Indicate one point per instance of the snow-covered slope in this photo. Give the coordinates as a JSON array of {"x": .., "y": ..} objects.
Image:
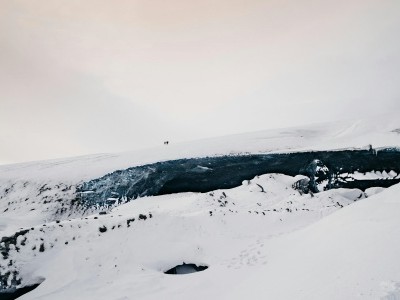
[
  {"x": 270, "y": 237},
  {"x": 382, "y": 132},
  {"x": 37, "y": 192},
  {"x": 213, "y": 229},
  {"x": 352, "y": 254},
  {"x": 256, "y": 244}
]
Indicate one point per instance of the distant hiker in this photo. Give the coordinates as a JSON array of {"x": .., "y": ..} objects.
[{"x": 166, "y": 142}]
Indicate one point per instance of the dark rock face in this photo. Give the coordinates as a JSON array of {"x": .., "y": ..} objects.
[
  {"x": 302, "y": 186},
  {"x": 211, "y": 173},
  {"x": 10, "y": 278},
  {"x": 318, "y": 173},
  {"x": 16, "y": 293}
]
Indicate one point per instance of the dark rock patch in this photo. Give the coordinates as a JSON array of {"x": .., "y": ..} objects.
[
  {"x": 185, "y": 269},
  {"x": 128, "y": 222},
  {"x": 15, "y": 293},
  {"x": 142, "y": 217},
  {"x": 103, "y": 229}
]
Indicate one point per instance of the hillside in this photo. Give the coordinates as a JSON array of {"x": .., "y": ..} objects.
[{"x": 301, "y": 213}]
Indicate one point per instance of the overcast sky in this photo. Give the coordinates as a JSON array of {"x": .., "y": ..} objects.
[{"x": 79, "y": 77}]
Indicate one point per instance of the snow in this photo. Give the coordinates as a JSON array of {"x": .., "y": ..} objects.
[
  {"x": 260, "y": 240},
  {"x": 349, "y": 255},
  {"x": 329, "y": 136},
  {"x": 302, "y": 247},
  {"x": 374, "y": 175},
  {"x": 61, "y": 176}
]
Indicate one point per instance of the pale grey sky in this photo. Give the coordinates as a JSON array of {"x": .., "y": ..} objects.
[{"x": 79, "y": 77}]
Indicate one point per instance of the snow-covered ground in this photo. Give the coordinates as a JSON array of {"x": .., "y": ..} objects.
[
  {"x": 33, "y": 193},
  {"x": 383, "y": 132},
  {"x": 351, "y": 254},
  {"x": 275, "y": 244},
  {"x": 261, "y": 240}
]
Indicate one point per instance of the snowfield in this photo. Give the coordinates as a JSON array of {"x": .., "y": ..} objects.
[
  {"x": 25, "y": 187},
  {"x": 274, "y": 244},
  {"x": 264, "y": 239},
  {"x": 350, "y": 254},
  {"x": 380, "y": 133}
]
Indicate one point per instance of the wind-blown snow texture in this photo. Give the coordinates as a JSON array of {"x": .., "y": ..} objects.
[{"x": 272, "y": 236}]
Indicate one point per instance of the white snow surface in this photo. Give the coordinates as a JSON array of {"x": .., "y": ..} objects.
[
  {"x": 275, "y": 244},
  {"x": 60, "y": 176},
  {"x": 259, "y": 243},
  {"x": 382, "y": 132}
]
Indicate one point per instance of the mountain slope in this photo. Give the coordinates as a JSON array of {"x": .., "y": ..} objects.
[
  {"x": 37, "y": 192},
  {"x": 315, "y": 231}
]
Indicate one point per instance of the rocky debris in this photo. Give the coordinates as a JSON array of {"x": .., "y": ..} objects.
[
  {"x": 129, "y": 221},
  {"x": 7, "y": 243},
  {"x": 142, "y": 217}
]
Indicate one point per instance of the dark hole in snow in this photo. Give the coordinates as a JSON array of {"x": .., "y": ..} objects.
[
  {"x": 185, "y": 269},
  {"x": 16, "y": 293},
  {"x": 103, "y": 229}
]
